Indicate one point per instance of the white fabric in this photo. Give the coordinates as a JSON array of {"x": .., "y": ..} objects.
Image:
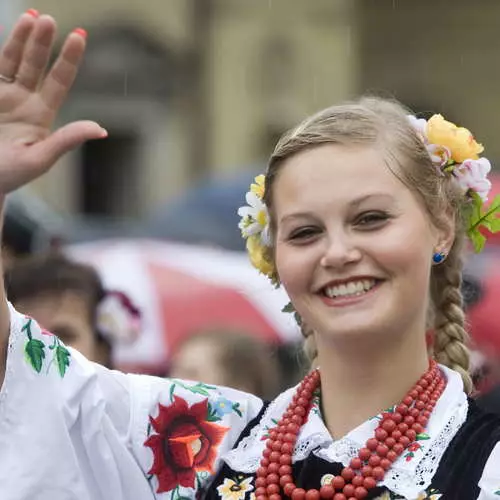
[
  {"x": 490, "y": 480},
  {"x": 406, "y": 478},
  {"x": 81, "y": 436}
]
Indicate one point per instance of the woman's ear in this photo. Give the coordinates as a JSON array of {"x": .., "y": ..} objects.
[{"x": 446, "y": 234}]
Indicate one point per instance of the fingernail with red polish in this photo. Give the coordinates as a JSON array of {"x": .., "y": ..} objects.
[
  {"x": 33, "y": 12},
  {"x": 81, "y": 32}
]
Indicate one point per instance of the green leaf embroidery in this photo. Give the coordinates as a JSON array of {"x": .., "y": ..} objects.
[
  {"x": 54, "y": 344},
  {"x": 172, "y": 389},
  {"x": 62, "y": 357},
  {"x": 198, "y": 481},
  {"x": 27, "y": 328},
  {"x": 198, "y": 388},
  {"x": 175, "y": 493},
  {"x": 422, "y": 437},
  {"x": 35, "y": 353},
  {"x": 212, "y": 415},
  {"x": 497, "y": 492},
  {"x": 236, "y": 409}
]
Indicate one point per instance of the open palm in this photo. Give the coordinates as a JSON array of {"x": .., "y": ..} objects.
[{"x": 30, "y": 99}]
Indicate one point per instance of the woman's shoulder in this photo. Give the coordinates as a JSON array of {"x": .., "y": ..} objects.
[
  {"x": 487, "y": 428},
  {"x": 471, "y": 464}
]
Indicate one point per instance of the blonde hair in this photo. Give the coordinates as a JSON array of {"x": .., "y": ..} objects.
[{"x": 384, "y": 123}]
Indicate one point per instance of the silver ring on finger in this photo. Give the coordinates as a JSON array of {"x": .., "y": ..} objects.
[{"x": 7, "y": 79}]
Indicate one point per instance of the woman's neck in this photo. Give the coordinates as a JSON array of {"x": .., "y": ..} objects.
[{"x": 358, "y": 383}]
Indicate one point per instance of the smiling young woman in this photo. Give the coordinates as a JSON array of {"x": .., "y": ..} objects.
[{"x": 361, "y": 217}]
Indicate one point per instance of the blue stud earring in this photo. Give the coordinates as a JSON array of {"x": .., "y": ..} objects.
[{"x": 438, "y": 257}]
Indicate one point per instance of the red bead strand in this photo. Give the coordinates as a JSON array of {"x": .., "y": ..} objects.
[{"x": 394, "y": 434}]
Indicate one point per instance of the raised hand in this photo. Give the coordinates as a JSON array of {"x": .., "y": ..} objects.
[{"x": 30, "y": 98}]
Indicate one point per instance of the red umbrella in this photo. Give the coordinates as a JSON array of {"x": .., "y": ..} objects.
[{"x": 182, "y": 290}]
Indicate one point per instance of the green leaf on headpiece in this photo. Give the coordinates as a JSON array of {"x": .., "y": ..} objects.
[
  {"x": 478, "y": 217},
  {"x": 477, "y": 239}
]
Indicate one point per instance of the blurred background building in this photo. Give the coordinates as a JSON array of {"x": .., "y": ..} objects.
[
  {"x": 195, "y": 87},
  {"x": 190, "y": 88}
]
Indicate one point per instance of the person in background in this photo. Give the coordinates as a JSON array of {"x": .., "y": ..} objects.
[
  {"x": 231, "y": 359},
  {"x": 68, "y": 298}
]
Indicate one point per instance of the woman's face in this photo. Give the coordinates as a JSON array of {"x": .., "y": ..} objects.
[{"x": 353, "y": 244}]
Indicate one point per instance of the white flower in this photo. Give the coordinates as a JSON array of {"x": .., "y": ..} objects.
[
  {"x": 420, "y": 126},
  {"x": 254, "y": 219},
  {"x": 115, "y": 321},
  {"x": 473, "y": 175},
  {"x": 440, "y": 155}
]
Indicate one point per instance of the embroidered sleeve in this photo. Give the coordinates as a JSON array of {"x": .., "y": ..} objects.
[
  {"x": 182, "y": 429},
  {"x": 490, "y": 480},
  {"x": 107, "y": 434}
]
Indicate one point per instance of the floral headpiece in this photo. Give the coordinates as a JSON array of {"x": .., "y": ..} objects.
[
  {"x": 453, "y": 150},
  {"x": 254, "y": 226},
  {"x": 118, "y": 319}
]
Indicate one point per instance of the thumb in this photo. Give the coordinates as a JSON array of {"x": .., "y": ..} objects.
[{"x": 48, "y": 151}]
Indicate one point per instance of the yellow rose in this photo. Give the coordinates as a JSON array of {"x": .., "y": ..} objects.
[
  {"x": 259, "y": 187},
  {"x": 257, "y": 256},
  {"x": 458, "y": 140}
]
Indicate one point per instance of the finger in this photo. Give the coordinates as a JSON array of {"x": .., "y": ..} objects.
[
  {"x": 12, "y": 50},
  {"x": 45, "y": 153},
  {"x": 37, "y": 53},
  {"x": 62, "y": 75}
]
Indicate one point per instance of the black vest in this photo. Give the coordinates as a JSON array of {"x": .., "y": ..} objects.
[{"x": 456, "y": 478}]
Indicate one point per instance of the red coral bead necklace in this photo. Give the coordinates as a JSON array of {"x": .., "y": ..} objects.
[{"x": 396, "y": 431}]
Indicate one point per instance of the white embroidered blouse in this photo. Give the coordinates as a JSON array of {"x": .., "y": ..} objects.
[{"x": 72, "y": 430}]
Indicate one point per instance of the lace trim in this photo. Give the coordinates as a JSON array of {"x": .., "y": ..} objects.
[
  {"x": 246, "y": 456},
  {"x": 404, "y": 479},
  {"x": 409, "y": 483}
]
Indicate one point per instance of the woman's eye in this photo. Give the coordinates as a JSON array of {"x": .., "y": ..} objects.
[
  {"x": 303, "y": 233},
  {"x": 372, "y": 219}
]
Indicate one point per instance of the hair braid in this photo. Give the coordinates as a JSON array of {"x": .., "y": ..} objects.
[
  {"x": 310, "y": 348},
  {"x": 451, "y": 337}
]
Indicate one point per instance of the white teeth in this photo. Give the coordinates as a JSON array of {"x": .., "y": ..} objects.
[{"x": 351, "y": 288}]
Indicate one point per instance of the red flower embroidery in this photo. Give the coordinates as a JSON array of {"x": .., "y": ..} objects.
[
  {"x": 185, "y": 443},
  {"x": 414, "y": 447}
]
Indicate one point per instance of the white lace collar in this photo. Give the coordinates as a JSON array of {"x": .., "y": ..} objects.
[{"x": 411, "y": 473}]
